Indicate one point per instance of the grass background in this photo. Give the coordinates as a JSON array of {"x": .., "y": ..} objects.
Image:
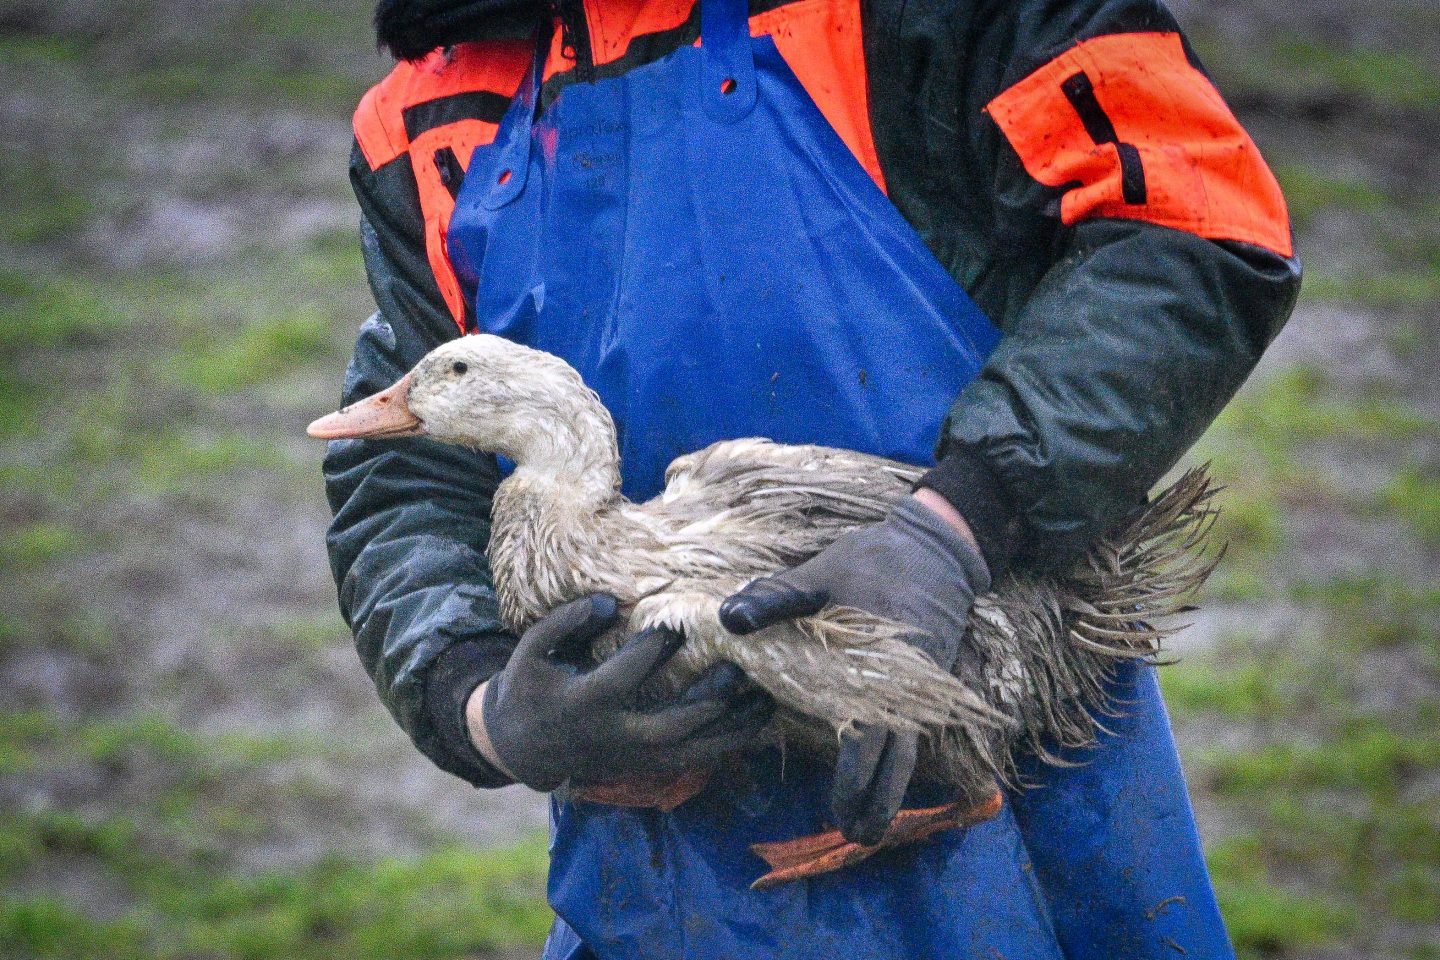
[{"x": 192, "y": 764}]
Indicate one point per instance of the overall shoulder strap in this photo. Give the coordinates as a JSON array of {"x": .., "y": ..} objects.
[{"x": 727, "y": 78}]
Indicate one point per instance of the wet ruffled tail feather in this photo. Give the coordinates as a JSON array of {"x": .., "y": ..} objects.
[{"x": 1119, "y": 603}]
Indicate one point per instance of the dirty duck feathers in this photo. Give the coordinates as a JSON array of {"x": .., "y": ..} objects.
[{"x": 1040, "y": 648}]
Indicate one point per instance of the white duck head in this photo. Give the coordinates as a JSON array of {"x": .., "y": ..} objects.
[{"x": 490, "y": 394}]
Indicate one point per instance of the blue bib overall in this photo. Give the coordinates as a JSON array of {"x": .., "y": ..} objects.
[{"x": 698, "y": 242}]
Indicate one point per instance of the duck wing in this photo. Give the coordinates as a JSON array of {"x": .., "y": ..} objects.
[{"x": 754, "y": 479}]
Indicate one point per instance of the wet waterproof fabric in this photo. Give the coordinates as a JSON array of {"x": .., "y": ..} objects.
[
  {"x": 1054, "y": 443},
  {"x": 739, "y": 275},
  {"x": 736, "y": 272}
]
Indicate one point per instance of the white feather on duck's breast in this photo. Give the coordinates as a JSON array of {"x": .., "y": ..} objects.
[{"x": 1039, "y": 651}]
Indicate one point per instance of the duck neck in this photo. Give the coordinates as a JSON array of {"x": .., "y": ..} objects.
[
  {"x": 545, "y": 514},
  {"x": 575, "y": 457}
]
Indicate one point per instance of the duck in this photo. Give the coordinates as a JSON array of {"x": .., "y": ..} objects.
[{"x": 1044, "y": 646}]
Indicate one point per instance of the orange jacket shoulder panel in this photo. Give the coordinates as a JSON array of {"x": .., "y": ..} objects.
[
  {"x": 1131, "y": 129},
  {"x": 821, "y": 42},
  {"x": 385, "y": 134},
  {"x": 380, "y": 126}
]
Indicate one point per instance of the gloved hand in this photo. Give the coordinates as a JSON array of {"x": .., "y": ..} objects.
[
  {"x": 914, "y": 567},
  {"x": 549, "y": 720}
]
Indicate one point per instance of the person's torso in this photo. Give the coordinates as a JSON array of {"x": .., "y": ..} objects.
[
  {"x": 637, "y": 883},
  {"x": 705, "y": 242},
  {"x": 894, "y": 80}
]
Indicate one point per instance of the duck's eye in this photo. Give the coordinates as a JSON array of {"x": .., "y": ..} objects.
[{"x": 460, "y": 367}]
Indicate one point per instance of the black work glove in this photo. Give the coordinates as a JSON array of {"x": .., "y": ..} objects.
[
  {"x": 551, "y": 720},
  {"x": 914, "y": 568}
]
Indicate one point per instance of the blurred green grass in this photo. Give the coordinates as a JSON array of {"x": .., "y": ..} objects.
[
  {"x": 185, "y": 385},
  {"x": 1324, "y": 754},
  {"x": 1295, "y": 64},
  {"x": 453, "y": 902},
  {"x": 1386, "y": 78},
  {"x": 155, "y": 358},
  {"x": 168, "y": 856}
]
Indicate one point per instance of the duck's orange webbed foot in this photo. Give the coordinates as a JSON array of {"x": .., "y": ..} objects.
[
  {"x": 829, "y": 851},
  {"x": 661, "y": 792}
]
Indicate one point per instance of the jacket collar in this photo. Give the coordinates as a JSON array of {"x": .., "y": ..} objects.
[{"x": 409, "y": 29}]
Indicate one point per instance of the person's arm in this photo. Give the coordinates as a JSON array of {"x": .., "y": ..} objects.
[
  {"x": 407, "y": 545},
  {"x": 1170, "y": 270}
]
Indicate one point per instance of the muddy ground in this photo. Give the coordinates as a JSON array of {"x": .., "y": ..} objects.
[{"x": 192, "y": 762}]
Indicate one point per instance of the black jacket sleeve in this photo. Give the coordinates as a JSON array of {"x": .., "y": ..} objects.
[
  {"x": 407, "y": 545},
  {"x": 1127, "y": 343},
  {"x": 1128, "y": 349}
]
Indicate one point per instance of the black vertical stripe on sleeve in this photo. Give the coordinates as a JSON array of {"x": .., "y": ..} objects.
[
  {"x": 1081, "y": 93},
  {"x": 1132, "y": 174}
]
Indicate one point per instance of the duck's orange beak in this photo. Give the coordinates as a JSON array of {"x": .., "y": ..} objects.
[{"x": 385, "y": 415}]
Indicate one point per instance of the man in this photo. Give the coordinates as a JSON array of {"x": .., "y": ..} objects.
[{"x": 822, "y": 234}]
